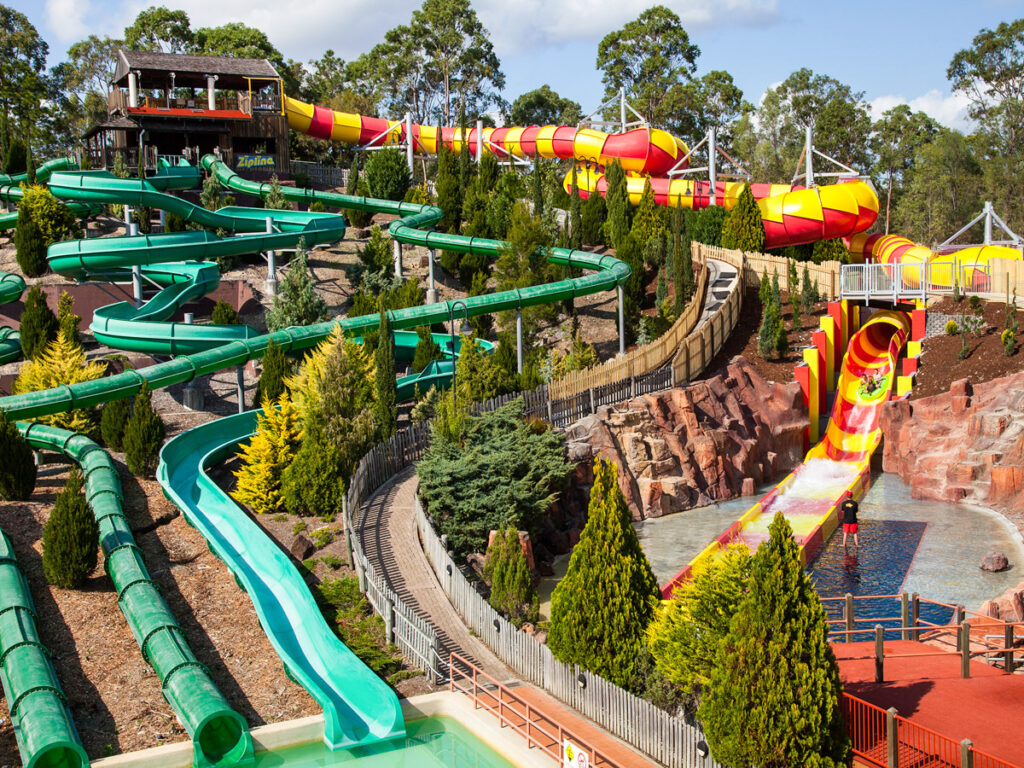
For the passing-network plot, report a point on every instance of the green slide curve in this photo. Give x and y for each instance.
(358, 706)
(219, 735)
(45, 733)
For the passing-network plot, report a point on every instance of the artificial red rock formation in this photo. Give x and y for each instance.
(693, 445)
(967, 445)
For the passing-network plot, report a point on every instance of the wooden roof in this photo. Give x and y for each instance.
(190, 70)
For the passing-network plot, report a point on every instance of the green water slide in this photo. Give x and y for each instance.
(11, 288)
(219, 735)
(11, 191)
(359, 707)
(36, 704)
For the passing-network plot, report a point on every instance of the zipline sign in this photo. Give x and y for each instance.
(248, 162)
(573, 756)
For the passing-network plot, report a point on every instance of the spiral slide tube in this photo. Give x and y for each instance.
(11, 288)
(359, 707)
(643, 150)
(46, 735)
(792, 215)
(810, 496)
(219, 735)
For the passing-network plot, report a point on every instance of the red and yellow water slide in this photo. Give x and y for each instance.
(792, 215)
(810, 496)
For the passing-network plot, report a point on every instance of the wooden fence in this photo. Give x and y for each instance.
(643, 359)
(668, 739)
(1006, 276)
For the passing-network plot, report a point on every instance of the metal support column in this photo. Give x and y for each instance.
(809, 152)
(712, 152)
(270, 284)
(240, 377)
(988, 222)
(479, 140)
(622, 323)
(622, 108)
(519, 340)
(163, 220)
(192, 396)
(398, 258)
(408, 140)
(431, 290)
(133, 231)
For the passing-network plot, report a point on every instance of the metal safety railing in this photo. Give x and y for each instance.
(896, 282)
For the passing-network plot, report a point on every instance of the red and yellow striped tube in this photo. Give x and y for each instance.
(792, 215)
(853, 432)
(971, 263)
(643, 150)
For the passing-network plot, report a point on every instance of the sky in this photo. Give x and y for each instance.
(894, 52)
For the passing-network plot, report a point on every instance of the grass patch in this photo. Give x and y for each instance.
(331, 561)
(323, 536)
(349, 612)
(299, 527)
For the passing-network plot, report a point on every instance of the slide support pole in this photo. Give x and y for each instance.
(431, 290)
(398, 258)
(622, 323)
(712, 152)
(519, 340)
(270, 284)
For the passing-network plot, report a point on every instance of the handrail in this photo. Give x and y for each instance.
(502, 695)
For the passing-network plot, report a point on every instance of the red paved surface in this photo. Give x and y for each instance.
(986, 708)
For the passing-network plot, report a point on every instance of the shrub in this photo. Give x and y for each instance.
(708, 223)
(768, 333)
(952, 329)
(299, 527)
(774, 689)
(224, 314)
(647, 221)
(174, 223)
(61, 362)
(512, 592)
(387, 174)
(617, 223)
(113, 421)
(55, 220)
(17, 464)
(143, 435)
(830, 250)
(297, 302)
(276, 368)
(274, 198)
(357, 187)
(312, 484)
(1008, 339)
(592, 221)
(30, 248)
(302, 181)
(265, 457)
(503, 473)
(70, 537)
(742, 228)
(426, 349)
(601, 609)
(975, 306)
(67, 320)
(39, 325)
(323, 536)
(348, 611)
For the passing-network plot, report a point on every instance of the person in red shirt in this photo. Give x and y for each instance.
(848, 511)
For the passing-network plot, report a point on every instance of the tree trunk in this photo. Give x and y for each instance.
(888, 203)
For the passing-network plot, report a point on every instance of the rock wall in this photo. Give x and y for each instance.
(964, 445)
(694, 445)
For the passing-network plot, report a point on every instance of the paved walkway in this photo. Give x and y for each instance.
(391, 542)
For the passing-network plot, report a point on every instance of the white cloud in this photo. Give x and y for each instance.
(67, 18)
(950, 110)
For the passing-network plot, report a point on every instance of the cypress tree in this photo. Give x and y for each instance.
(276, 368)
(30, 247)
(357, 188)
(275, 199)
(449, 194)
(830, 250)
(266, 455)
(537, 188)
(224, 314)
(384, 357)
(512, 592)
(808, 291)
(312, 483)
(67, 320)
(773, 696)
(682, 259)
(575, 214)
(17, 466)
(465, 157)
(143, 435)
(647, 222)
(633, 290)
(601, 609)
(297, 302)
(39, 325)
(707, 226)
(426, 349)
(113, 421)
(793, 281)
(743, 229)
(70, 537)
(764, 290)
(592, 222)
(617, 200)
(768, 334)
(487, 172)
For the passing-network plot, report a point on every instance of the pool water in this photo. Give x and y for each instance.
(432, 742)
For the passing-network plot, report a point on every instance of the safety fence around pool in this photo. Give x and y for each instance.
(886, 739)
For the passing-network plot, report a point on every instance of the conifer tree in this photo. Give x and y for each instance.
(274, 198)
(743, 229)
(764, 290)
(312, 483)
(661, 291)
(512, 592)
(682, 259)
(29, 245)
(808, 291)
(276, 368)
(647, 222)
(793, 281)
(487, 172)
(39, 325)
(768, 333)
(113, 420)
(830, 250)
(466, 167)
(575, 214)
(774, 689)
(449, 194)
(617, 201)
(61, 362)
(592, 222)
(384, 357)
(17, 465)
(297, 302)
(66, 317)
(143, 435)
(70, 536)
(601, 609)
(224, 314)
(426, 351)
(537, 188)
(266, 455)
(357, 187)
(633, 290)
(209, 196)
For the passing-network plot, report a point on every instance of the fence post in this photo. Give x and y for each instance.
(915, 615)
(1008, 637)
(905, 614)
(593, 407)
(848, 615)
(958, 614)
(389, 619)
(966, 754)
(892, 738)
(965, 649)
(550, 418)
(879, 654)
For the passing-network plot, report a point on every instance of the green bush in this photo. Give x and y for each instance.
(952, 329)
(768, 333)
(426, 349)
(30, 248)
(809, 295)
(67, 320)
(647, 221)
(601, 609)
(322, 537)
(774, 691)
(39, 325)
(143, 435)
(502, 473)
(174, 223)
(274, 198)
(830, 250)
(592, 221)
(357, 187)
(743, 229)
(17, 464)
(1009, 340)
(512, 592)
(55, 220)
(70, 537)
(16, 160)
(387, 174)
(297, 302)
(302, 180)
(113, 421)
(707, 225)
(317, 206)
(312, 484)
(276, 368)
(224, 314)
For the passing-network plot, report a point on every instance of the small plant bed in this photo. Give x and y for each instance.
(943, 360)
(743, 340)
